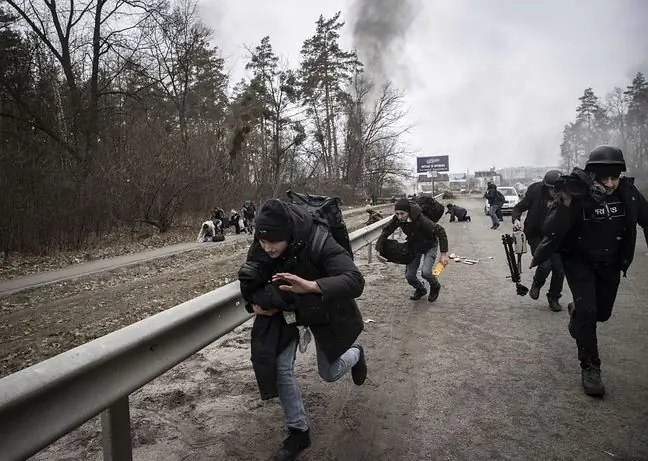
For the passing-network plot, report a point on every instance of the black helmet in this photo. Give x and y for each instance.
(449, 205)
(551, 177)
(606, 155)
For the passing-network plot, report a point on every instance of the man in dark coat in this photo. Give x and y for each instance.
(594, 225)
(457, 213)
(425, 238)
(537, 201)
(495, 201)
(288, 281)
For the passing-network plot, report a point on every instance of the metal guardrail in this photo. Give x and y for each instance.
(42, 403)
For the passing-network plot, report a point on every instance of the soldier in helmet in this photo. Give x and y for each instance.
(537, 201)
(594, 224)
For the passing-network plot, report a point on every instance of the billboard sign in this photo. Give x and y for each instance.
(434, 163)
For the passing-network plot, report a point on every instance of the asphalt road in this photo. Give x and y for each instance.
(481, 374)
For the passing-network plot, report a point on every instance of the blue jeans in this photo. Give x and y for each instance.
(493, 212)
(552, 266)
(288, 387)
(429, 257)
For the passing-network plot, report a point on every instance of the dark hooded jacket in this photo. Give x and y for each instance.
(537, 202)
(332, 316)
(422, 233)
(568, 229)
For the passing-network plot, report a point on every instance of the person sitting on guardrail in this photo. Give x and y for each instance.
(318, 282)
(457, 213)
(426, 238)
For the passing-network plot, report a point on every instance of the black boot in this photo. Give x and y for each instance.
(359, 370)
(434, 293)
(296, 442)
(592, 384)
(554, 305)
(534, 292)
(418, 294)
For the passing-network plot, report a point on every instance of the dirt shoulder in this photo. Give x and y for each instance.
(46, 321)
(118, 243)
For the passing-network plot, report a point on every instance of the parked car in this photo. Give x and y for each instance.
(511, 196)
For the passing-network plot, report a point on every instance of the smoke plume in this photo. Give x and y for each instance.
(379, 30)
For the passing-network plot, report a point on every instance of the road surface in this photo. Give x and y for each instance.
(18, 284)
(481, 374)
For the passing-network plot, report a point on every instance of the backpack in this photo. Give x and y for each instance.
(325, 210)
(430, 207)
(395, 251)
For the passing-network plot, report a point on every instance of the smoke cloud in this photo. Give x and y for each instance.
(379, 30)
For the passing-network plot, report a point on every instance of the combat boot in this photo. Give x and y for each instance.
(534, 292)
(554, 304)
(296, 442)
(592, 384)
(418, 294)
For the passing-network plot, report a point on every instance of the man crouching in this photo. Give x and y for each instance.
(289, 280)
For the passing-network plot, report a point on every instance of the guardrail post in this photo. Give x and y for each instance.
(369, 255)
(115, 426)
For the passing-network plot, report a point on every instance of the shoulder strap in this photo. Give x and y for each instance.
(317, 244)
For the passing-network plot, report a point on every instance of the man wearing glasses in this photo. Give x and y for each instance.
(594, 224)
(536, 201)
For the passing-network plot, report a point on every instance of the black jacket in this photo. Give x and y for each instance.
(333, 316)
(565, 227)
(494, 197)
(537, 202)
(422, 233)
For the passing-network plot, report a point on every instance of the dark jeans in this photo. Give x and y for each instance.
(429, 257)
(594, 288)
(552, 265)
(495, 213)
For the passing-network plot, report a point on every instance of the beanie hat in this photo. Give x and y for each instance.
(273, 222)
(402, 204)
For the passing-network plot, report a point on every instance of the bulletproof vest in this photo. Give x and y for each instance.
(603, 229)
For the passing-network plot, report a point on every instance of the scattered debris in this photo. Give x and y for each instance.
(369, 321)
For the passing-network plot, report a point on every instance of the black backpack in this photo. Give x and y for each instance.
(326, 211)
(394, 251)
(430, 207)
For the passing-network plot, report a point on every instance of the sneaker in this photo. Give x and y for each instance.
(534, 292)
(468, 218)
(591, 378)
(434, 293)
(570, 327)
(554, 304)
(359, 370)
(418, 294)
(296, 442)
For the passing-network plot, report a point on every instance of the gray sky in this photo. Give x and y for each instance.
(488, 82)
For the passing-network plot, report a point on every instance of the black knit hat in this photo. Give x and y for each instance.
(273, 222)
(402, 204)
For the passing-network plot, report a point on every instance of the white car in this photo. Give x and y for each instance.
(512, 199)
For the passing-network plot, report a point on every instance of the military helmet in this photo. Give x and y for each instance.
(551, 177)
(606, 156)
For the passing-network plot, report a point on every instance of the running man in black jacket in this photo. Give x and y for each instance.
(594, 225)
(425, 237)
(537, 201)
(289, 281)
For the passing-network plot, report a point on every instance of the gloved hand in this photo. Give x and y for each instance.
(517, 225)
